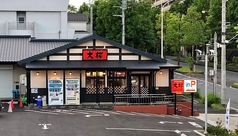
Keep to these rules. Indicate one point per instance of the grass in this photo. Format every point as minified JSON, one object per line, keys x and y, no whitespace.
{"x":186,"y":70}
{"x":235,"y":85}
{"x":218,"y":107}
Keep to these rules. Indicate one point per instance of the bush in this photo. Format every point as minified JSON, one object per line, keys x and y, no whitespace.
{"x":190,"y":62}
{"x":197,"y":94}
{"x":218,"y":107}
{"x":219,"y":130}
{"x":211,"y":99}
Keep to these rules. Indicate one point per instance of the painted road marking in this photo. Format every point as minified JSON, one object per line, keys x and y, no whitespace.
{"x":170,"y":122}
{"x":45,"y":126}
{"x":42,"y":112}
{"x":195,"y":124}
{"x":127,"y":113}
{"x":137,"y":129}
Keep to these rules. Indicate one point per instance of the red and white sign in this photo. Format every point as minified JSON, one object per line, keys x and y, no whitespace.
{"x":177,"y":86}
{"x":190,"y":86}
{"x":99,"y":54}
{"x":180,"y":85}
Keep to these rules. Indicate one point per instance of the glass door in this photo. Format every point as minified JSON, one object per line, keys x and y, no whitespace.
{"x":140,"y":84}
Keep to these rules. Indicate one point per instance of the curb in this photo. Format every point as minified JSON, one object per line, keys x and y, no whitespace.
{"x":199,"y":133}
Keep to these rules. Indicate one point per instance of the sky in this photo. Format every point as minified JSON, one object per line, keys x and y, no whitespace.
{"x":78,"y":3}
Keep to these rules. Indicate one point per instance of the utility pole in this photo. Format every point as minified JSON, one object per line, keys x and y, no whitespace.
{"x":91,"y":15}
{"x":215,"y":64}
{"x":223,"y":53}
{"x":123,"y":8}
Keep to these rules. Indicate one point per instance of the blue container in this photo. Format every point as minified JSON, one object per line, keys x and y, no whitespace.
{"x":15,"y":94}
{"x":38,"y":102}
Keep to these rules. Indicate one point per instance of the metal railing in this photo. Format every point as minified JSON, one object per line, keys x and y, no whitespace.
{"x":141,"y":99}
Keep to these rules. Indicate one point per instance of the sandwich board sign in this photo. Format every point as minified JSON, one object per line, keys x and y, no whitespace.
{"x":180,"y":86}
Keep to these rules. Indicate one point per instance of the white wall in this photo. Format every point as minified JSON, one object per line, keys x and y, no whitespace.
{"x":6,"y":16}
{"x":82,"y":26}
{"x":34,"y":5}
{"x":162,"y":79}
{"x":48,"y":24}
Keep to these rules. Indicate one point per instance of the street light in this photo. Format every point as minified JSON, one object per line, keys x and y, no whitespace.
{"x":162,"y":28}
{"x":206,"y":59}
{"x":91,"y":15}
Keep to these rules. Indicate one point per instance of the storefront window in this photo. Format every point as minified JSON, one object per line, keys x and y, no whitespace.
{"x":95,"y":81}
{"x":116,"y":82}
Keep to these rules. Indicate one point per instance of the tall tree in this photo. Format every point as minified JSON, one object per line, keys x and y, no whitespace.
{"x":84,"y":8}
{"x":139,"y":28}
{"x":72,"y":9}
{"x":174,"y":33}
{"x":180,"y":6}
{"x":193,"y":28}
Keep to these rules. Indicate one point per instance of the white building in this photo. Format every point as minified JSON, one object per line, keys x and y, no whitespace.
{"x":27,"y":28}
{"x":41,"y":19}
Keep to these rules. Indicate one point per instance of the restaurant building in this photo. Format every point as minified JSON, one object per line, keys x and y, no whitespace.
{"x":92,"y":70}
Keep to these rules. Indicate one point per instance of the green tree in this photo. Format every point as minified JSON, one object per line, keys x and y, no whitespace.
{"x":139,"y":28}
{"x":174,"y":33}
{"x":84,"y":8}
{"x":72,"y":9}
{"x":193,"y":29}
{"x":181,"y":7}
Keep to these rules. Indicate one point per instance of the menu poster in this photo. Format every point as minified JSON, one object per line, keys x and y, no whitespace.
{"x":72,"y":91}
{"x":55,"y":94}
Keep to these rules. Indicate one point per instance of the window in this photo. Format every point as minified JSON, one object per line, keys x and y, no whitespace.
{"x":116,"y":82}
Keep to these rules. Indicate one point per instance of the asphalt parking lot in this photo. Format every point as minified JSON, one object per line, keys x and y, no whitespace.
{"x":91,"y":122}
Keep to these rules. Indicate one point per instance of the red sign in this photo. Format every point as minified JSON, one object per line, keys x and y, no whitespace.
{"x":177,"y":86}
{"x":100,"y":54}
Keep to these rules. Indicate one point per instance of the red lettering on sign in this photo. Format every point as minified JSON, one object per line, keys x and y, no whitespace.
{"x":100,"y":54}
{"x":177,"y":86}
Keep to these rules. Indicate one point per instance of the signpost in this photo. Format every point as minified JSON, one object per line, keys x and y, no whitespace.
{"x":180,"y":86}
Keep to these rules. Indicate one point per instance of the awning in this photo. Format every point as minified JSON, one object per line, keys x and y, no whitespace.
{"x":109,"y":64}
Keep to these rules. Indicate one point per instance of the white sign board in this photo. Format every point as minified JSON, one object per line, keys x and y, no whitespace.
{"x":190,"y":86}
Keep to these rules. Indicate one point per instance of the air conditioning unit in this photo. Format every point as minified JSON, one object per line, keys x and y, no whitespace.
{"x":23,"y":79}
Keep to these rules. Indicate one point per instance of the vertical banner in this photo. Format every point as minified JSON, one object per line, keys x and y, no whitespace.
{"x":55,"y":94}
{"x":227,"y":114}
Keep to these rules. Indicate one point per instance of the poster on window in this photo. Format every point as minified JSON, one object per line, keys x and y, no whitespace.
{"x":55,"y":94}
{"x":72,"y":91}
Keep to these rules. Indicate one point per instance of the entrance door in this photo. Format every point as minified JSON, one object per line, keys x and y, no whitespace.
{"x":95,"y":83}
{"x":140,"y":84}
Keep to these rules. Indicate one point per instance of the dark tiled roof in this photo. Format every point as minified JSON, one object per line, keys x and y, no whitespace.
{"x":77,"y":17}
{"x":16,"y":48}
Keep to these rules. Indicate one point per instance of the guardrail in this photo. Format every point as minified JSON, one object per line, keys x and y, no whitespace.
{"x":139,"y":99}
{"x":150,"y":99}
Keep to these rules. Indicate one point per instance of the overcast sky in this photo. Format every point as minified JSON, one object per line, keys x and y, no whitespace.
{"x":78,"y":3}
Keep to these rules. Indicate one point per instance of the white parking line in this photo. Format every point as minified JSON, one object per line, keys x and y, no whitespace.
{"x":127,"y":113}
{"x":42,"y":112}
{"x":137,"y":129}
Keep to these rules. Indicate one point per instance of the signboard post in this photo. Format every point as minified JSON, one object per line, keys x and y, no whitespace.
{"x":180,"y":86}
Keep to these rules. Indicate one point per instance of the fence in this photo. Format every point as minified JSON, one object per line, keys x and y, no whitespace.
{"x":142,"y":99}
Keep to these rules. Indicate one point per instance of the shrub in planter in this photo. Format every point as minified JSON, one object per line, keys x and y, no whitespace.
{"x":211,"y":99}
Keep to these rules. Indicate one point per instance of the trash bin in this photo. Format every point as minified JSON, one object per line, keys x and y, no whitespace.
{"x":44,"y":101}
{"x":15,"y":94}
{"x":24,"y":100}
{"x":38,"y":102}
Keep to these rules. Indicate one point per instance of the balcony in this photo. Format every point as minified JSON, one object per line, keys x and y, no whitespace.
{"x":21,"y":28}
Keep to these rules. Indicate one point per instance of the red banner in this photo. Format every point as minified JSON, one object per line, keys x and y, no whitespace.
{"x":99,"y":54}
